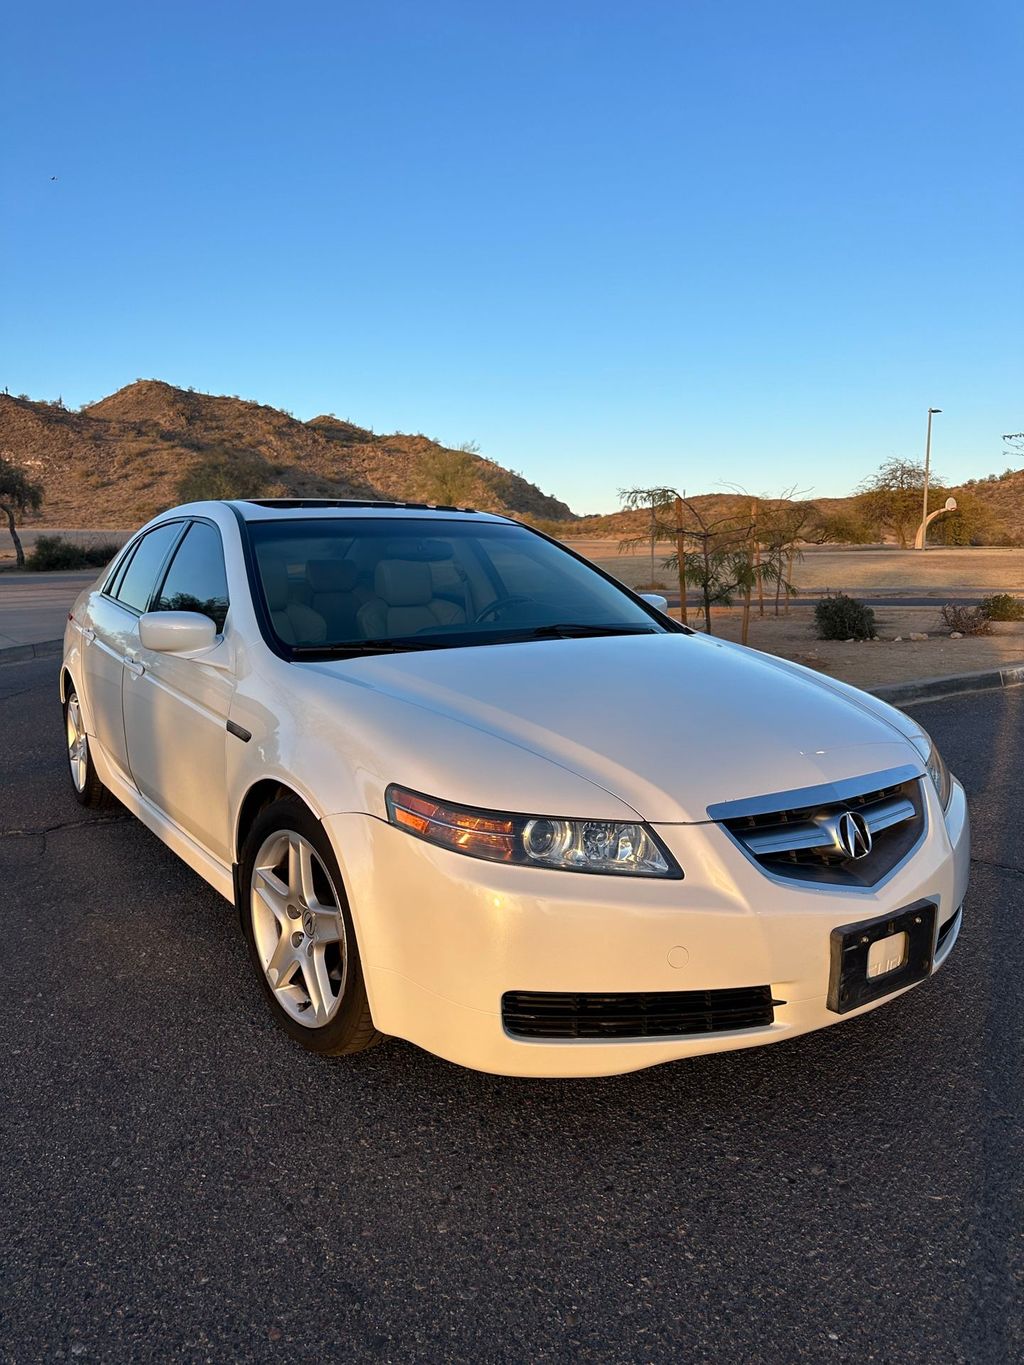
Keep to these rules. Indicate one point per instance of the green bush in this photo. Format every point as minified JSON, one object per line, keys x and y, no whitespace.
{"x":54,"y":552}
{"x":839,"y":617}
{"x":1002,"y":606}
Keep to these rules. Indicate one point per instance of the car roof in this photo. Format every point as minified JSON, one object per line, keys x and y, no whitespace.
{"x":264,"y":509}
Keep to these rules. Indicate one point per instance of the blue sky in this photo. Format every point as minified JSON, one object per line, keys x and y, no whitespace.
{"x":614,"y":243}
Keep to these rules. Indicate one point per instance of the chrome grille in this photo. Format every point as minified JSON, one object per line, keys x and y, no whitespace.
{"x":799,"y":835}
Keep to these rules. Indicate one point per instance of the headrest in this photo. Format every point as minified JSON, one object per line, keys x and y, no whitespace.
{"x":331,"y":575}
{"x":403,"y":582}
{"x":275,"y":583}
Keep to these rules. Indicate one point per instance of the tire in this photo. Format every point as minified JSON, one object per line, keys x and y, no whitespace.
{"x":299,"y":932}
{"x":85,"y":782}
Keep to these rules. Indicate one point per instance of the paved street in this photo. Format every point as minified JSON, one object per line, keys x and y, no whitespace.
{"x":180,"y":1181}
{"x":34,"y":606}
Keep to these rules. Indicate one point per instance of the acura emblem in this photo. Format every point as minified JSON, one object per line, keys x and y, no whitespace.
{"x":853,"y":834}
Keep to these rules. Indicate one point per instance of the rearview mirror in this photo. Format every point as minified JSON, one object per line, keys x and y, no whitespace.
{"x":655,"y":599}
{"x":176,"y":632}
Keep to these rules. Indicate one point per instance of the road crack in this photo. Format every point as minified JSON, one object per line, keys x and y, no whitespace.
{"x":999,"y":867}
{"x":41,"y":831}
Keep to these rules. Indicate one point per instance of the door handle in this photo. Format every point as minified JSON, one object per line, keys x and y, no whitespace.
{"x":89,"y":635}
{"x":134,"y":668}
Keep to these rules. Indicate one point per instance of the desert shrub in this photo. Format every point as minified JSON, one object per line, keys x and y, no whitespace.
{"x":839,"y":617}
{"x":224,"y":475}
{"x":1003,"y":606}
{"x":55,"y":552}
{"x":966,"y":620}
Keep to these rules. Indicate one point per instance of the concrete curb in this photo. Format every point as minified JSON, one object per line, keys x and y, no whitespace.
{"x":931,"y":689}
{"x":42,"y":649}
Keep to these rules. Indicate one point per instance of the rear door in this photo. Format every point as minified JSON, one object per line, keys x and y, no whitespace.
{"x":176,"y":706}
{"x":111,"y":633}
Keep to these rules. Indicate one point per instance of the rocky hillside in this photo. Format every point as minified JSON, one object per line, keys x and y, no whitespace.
{"x":117,"y":462}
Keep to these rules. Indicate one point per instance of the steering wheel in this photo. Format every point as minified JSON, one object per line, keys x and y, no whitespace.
{"x":499,"y":604}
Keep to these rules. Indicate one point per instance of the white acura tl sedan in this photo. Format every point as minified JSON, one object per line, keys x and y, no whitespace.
{"x":468,"y":790}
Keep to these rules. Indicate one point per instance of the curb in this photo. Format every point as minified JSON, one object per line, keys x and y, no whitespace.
{"x":42,"y":649}
{"x":931,"y":689}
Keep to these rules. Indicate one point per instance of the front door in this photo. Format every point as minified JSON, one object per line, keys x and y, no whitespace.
{"x":176,"y":705}
{"x":111,"y":633}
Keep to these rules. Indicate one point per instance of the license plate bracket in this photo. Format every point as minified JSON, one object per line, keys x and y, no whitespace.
{"x":850,"y":985}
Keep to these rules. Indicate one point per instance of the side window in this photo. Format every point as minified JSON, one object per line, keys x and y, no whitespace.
{"x":196,"y":580}
{"x":136,"y":587}
{"x":117,"y":577}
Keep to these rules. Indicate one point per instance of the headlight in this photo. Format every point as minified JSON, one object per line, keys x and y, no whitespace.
{"x":623,"y":847}
{"x":936,"y":765}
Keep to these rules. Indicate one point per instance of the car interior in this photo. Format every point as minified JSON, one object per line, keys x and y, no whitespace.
{"x":334,"y":590}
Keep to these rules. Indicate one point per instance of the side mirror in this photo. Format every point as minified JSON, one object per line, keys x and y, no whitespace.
{"x":176,"y":632}
{"x":655,"y":599}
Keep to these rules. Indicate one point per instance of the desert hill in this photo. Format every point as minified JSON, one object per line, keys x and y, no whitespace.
{"x":116,"y":462}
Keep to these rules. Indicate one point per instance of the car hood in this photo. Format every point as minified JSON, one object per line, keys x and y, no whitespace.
{"x":670,"y":724}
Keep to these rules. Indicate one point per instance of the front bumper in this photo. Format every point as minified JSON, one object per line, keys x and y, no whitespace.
{"x":443,"y":937}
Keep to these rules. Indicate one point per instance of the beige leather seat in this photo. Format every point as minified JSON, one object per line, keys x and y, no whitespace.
{"x":294,"y":622}
{"x":332,"y":583}
{"x":404,"y":601}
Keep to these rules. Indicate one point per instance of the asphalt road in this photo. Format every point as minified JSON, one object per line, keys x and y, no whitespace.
{"x":179,"y":1181}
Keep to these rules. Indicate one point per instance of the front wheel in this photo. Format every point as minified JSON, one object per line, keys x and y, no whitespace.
{"x":300,"y":934}
{"x":89,"y":790}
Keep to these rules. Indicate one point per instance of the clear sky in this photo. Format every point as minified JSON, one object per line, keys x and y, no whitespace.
{"x":614,"y":243}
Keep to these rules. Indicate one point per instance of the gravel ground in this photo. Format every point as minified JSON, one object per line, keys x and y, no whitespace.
{"x":181,"y":1182}
{"x":874,"y":663}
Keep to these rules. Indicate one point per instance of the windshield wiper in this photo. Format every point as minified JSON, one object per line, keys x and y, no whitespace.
{"x":381,"y":646}
{"x":571,"y":630}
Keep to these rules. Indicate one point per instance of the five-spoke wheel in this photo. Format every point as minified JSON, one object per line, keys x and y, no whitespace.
{"x":89,"y":790}
{"x":299,"y":928}
{"x":300,"y":933}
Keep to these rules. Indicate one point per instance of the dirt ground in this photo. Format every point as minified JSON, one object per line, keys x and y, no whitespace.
{"x":875,"y":663}
{"x":854,"y":569}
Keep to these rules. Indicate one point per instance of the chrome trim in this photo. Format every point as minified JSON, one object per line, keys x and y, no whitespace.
{"x":829,"y":793}
{"x":885,"y":814}
{"x":819,"y":832}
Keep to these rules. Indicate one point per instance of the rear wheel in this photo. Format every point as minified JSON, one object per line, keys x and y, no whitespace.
{"x":88,"y":788}
{"x":300,"y":934}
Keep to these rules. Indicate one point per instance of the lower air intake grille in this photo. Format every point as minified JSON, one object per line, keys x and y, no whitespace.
{"x":654,"y":1014}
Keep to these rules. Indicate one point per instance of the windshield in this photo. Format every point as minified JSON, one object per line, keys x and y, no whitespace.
{"x":376,"y":584}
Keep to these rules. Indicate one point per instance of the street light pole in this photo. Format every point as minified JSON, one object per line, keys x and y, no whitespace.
{"x":927,"y":472}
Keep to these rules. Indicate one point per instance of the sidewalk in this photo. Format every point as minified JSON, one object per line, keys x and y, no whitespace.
{"x":34,"y":607}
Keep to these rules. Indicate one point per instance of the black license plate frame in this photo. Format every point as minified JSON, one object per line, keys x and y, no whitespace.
{"x":849,"y":985}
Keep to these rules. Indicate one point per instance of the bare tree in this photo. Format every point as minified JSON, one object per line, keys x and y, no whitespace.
{"x":719,"y":558}
{"x":891,"y":497}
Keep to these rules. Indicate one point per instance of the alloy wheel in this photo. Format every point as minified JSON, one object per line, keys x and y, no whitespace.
{"x":299,"y":928}
{"x":78,"y":743}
